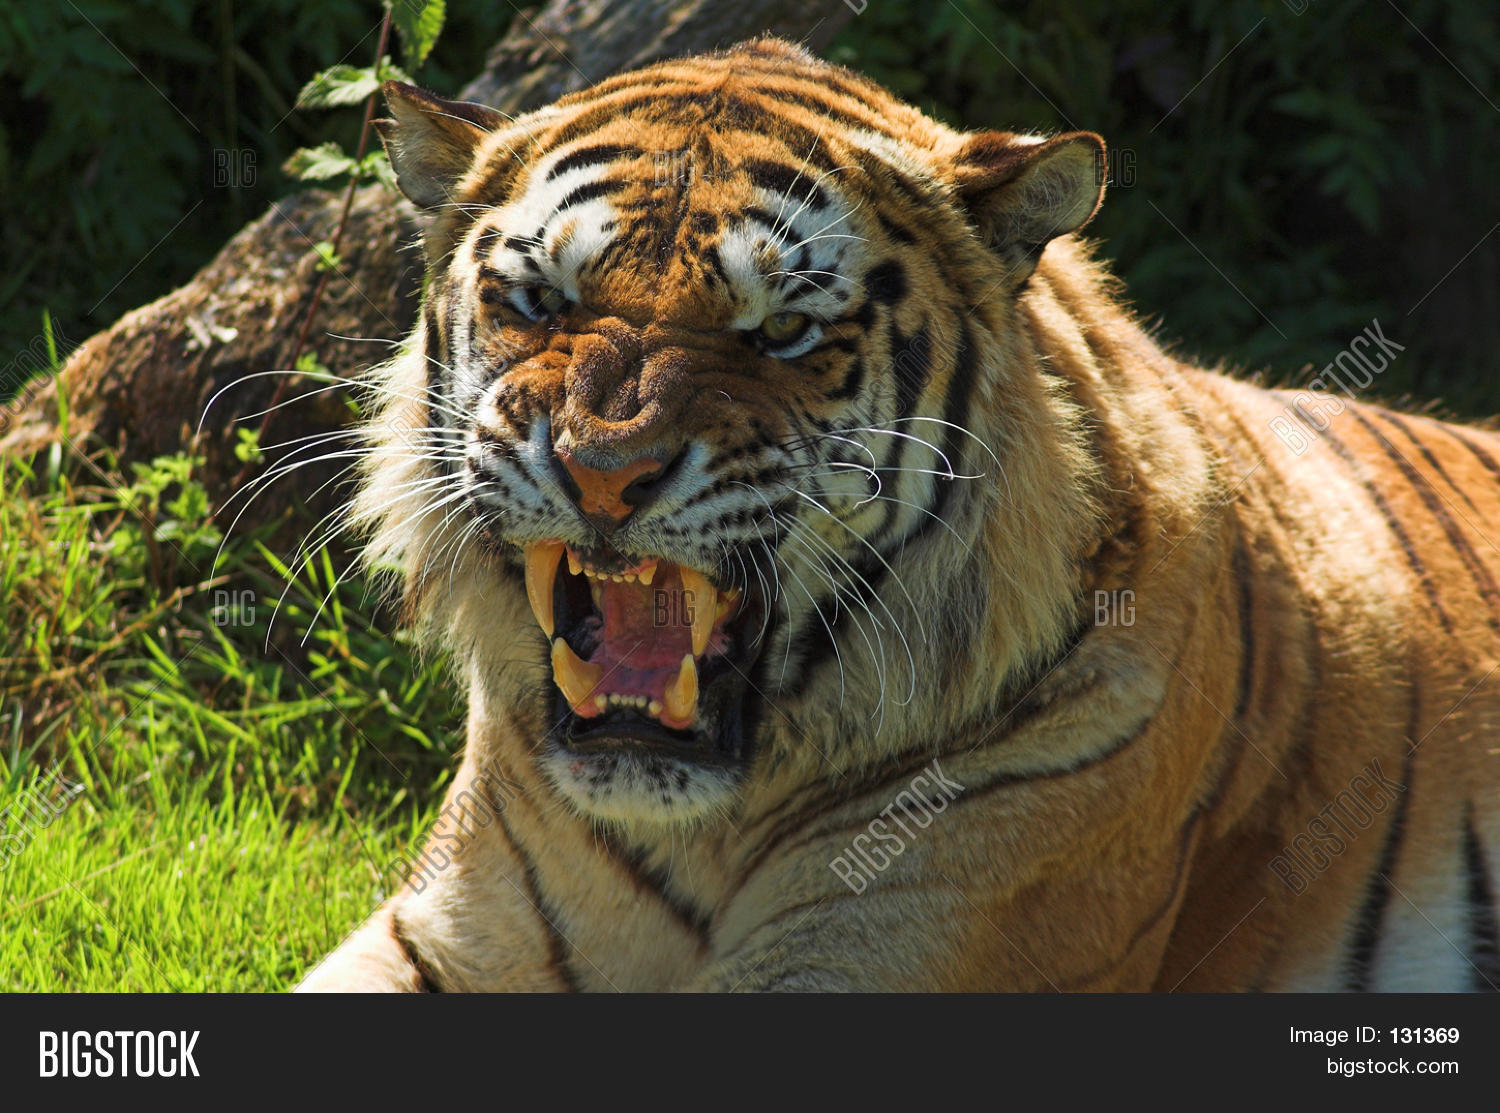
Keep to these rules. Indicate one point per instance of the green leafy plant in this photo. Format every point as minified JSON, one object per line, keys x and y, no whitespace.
{"x":1283,"y":174}
{"x":418,"y":23}
{"x":186,"y":109}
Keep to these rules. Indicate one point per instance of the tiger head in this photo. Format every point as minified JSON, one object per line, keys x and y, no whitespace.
{"x":724,"y":454}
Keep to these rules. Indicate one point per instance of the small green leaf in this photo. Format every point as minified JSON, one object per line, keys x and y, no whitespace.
{"x":307,"y":364}
{"x":418,"y":22}
{"x":378,"y":166}
{"x":327,"y":260}
{"x":327,"y":160}
{"x":247,"y":450}
{"x":339,"y":85}
{"x":389,"y":71}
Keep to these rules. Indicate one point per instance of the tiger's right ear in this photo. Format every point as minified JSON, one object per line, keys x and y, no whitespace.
{"x":431,"y":142}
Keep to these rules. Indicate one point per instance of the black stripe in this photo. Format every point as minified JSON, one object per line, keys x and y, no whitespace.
{"x":605,"y":110}
{"x":785,"y":181}
{"x":894,"y":230}
{"x":1119,"y":746}
{"x":856,"y":590}
{"x":804,"y":145}
{"x":1484,"y":930}
{"x":1243,"y":576}
{"x":436,"y":402}
{"x":1185,"y":842}
{"x":1394,"y":525}
{"x":854,"y":379}
{"x":764,"y":216}
{"x":868,"y":122}
{"x":1432,"y":461}
{"x":591,"y":156}
{"x":646,"y":878}
{"x":1367,"y":928}
{"x":1484,"y":582}
{"x":911,"y":364}
{"x":590,"y":190}
{"x":1485,"y":459}
{"x":557,"y":946}
{"x":960,"y":389}
{"x":484,"y":243}
{"x":958,"y":394}
{"x":715,"y":262}
{"x":424,"y":973}
{"x":886,"y":284}
{"x":817,"y":88}
{"x":606,"y":257}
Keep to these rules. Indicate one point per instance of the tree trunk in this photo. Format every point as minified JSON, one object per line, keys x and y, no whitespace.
{"x":141,"y":386}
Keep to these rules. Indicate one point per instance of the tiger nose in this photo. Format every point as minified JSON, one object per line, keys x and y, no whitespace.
{"x":608,"y":496}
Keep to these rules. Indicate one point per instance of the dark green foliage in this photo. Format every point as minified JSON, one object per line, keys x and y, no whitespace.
{"x":1324,"y":162}
{"x":136,"y":136}
{"x":1320,"y":169}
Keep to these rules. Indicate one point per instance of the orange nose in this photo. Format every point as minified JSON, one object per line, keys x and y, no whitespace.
{"x":602,"y":492}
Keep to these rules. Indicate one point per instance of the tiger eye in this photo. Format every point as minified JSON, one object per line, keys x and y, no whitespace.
{"x":551,"y":300}
{"x":780,"y":328}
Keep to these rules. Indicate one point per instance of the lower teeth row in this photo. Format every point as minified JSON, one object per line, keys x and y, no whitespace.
{"x":603,"y":703}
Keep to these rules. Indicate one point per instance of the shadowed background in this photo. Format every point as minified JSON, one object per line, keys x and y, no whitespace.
{"x":1283,"y":172}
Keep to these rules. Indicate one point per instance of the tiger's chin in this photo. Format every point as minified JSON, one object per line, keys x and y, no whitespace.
{"x":653,"y":710}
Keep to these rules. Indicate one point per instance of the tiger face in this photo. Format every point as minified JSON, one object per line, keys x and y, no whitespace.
{"x":710,"y":371}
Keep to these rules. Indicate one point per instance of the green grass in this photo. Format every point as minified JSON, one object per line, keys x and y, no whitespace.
{"x":192,"y":795}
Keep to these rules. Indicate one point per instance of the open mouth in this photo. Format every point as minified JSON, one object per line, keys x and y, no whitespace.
{"x":646,"y":654}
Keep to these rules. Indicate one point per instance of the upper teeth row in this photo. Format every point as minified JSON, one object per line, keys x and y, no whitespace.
{"x":619,"y":577}
{"x":646,"y":574}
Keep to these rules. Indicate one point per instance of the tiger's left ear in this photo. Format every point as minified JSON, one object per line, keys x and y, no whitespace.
{"x":1022,"y":192}
{"x":432,"y":141}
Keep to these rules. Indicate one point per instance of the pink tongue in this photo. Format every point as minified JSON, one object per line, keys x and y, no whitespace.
{"x":644,"y":627}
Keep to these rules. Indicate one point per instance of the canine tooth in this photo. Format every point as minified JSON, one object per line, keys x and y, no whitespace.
{"x":703,"y":597}
{"x":655,"y":708}
{"x":630,"y":577}
{"x":601,"y":702}
{"x":575,"y":565}
{"x":681,"y":699}
{"x":575,"y":676}
{"x":541,"y":574}
{"x":647,"y":573}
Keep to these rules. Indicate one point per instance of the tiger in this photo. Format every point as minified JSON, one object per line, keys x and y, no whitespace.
{"x":848,"y":593}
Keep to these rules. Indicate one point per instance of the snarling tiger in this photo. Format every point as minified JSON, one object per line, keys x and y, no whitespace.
{"x":850,"y":594}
